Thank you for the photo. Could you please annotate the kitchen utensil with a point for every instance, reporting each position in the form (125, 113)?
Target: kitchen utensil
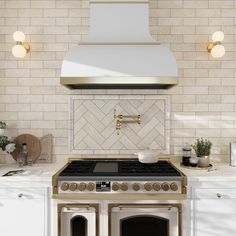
(147, 156)
(33, 146)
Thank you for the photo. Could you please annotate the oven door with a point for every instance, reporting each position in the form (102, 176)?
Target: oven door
(80, 220)
(145, 220)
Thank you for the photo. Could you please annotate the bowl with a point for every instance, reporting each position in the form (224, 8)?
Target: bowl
(147, 156)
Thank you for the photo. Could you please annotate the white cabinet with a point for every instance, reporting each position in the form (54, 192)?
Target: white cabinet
(214, 212)
(23, 211)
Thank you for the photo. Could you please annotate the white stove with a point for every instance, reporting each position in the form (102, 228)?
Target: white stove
(115, 177)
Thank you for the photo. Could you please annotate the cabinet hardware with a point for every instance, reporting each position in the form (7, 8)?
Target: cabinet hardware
(20, 195)
(219, 195)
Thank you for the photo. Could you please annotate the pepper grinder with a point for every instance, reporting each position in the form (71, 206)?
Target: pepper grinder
(186, 155)
(24, 154)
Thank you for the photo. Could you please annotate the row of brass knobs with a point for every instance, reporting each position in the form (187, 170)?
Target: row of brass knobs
(80, 187)
(123, 186)
(147, 186)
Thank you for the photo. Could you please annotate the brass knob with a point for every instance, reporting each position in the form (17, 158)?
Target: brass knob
(165, 186)
(156, 186)
(148, 187)
(82, 186)
(115, 186)
(124, 187)
(174, 186)
(90, 186)
(73, 186)
(219, 195)
(136, 187)
(64, 186)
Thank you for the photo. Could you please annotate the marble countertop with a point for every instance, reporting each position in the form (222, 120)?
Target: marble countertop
(43, 173)
(218, 172)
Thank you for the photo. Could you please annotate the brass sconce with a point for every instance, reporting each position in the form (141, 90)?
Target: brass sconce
(121, 119)
(21, 47)
(216, 48)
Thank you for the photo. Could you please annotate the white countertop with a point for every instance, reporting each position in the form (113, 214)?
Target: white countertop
(219, 172)
(41, 173)
(44, 172)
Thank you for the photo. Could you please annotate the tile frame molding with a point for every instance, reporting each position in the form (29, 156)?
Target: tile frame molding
(103, 152)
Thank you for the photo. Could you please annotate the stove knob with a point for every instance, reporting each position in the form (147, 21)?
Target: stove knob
(174, 186)
(73, 186)
(124, 187)
(90, 186)
(82, 186)
(148, 187)
(156, 186)
(165, 186)
(64, 186)
(136, 187)
(115, 186)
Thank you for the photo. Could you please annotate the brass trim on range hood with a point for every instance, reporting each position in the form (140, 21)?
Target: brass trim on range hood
(118, 82)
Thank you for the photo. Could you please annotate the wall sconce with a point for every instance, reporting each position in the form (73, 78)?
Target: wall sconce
(216, 48)
(21, 47)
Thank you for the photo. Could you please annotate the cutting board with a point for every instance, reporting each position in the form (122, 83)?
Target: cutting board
(33, 146)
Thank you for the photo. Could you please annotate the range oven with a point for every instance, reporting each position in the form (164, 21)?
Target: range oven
(119, 198)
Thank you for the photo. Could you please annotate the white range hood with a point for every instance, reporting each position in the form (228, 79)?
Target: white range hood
(119, 51)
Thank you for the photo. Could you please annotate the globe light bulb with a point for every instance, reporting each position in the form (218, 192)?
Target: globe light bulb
(218, 36)
(18, 51)
(218, 51)
(19, 36)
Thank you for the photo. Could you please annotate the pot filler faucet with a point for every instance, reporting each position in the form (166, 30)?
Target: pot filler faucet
(121, 119)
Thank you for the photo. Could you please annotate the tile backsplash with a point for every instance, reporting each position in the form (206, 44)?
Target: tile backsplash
(93, 127)
(202, 105)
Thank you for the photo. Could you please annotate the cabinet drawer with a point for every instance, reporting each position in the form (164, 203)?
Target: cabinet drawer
(24, 193)
(215, 193)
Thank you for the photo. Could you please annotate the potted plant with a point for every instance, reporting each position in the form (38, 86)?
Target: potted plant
(202, 148)
(2, 128)
(7, 144)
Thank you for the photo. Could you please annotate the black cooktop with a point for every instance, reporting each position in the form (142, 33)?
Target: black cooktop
(118, 168)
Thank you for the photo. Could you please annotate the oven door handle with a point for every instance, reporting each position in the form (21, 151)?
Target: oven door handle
(168, 206)
(78, 206)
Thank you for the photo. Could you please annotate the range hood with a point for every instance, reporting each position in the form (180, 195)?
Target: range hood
(119, 51)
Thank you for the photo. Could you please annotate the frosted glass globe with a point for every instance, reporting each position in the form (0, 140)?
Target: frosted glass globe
(218, 51)
(18, 51)
(218, 36)
(19, 36)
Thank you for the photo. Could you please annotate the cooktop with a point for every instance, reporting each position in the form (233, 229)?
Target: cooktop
(118, 168)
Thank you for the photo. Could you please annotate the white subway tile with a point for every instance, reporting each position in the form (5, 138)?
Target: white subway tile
(43, 4)
(203, 104)
(43, 124)
(30, 115)
(18, 107)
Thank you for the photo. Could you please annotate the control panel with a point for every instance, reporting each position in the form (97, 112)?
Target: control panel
(121, 187)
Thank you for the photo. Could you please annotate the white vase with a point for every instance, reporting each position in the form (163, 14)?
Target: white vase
(204, 161)
(2, 131)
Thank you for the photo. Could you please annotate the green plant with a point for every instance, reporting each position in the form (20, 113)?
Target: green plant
(202, 147)
(3, 125)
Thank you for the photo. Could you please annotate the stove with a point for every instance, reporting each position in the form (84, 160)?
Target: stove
(111, 178)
